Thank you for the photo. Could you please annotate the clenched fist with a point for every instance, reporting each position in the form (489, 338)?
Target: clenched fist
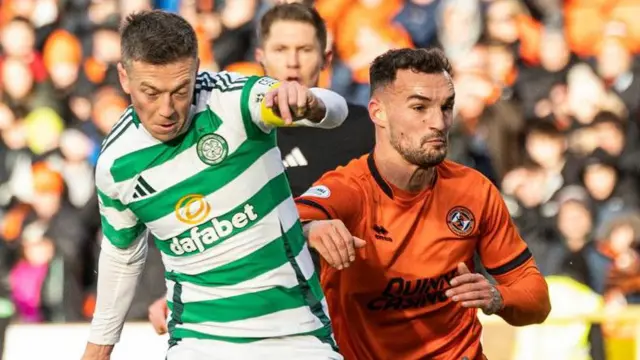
(291, 101)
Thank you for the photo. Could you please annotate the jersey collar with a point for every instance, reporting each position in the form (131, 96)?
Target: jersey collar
(388, 188)
(384, 186)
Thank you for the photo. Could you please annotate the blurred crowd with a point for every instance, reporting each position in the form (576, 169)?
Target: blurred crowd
(547, 107)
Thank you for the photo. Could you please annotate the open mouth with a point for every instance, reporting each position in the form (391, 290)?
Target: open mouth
(293, 78)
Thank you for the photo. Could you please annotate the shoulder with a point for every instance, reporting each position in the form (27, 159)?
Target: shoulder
(225, 81)
(353, 174)
(345, 184)
(125, 138)
(222, 83)
(462, 186)
(457, 174)
(226, 88)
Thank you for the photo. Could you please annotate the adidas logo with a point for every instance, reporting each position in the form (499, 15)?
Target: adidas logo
(295, 159)
(381, 233)
(142, 188)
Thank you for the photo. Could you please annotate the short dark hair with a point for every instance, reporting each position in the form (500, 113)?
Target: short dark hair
(293, 12)
(608, 117)
(544, 128)
(385, 67)
(157, 37)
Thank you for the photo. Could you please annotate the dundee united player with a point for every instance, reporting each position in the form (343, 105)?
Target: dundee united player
(194, 161)
(409, 292)
(292, 39)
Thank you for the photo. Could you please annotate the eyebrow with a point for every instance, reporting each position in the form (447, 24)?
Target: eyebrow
(181, 85)
(449, 100)
(419, 97)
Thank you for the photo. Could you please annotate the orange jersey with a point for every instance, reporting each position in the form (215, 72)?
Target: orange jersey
(390, 303)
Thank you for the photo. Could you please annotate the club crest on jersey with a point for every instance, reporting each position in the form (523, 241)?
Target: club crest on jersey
(461, 221)
(212, 149)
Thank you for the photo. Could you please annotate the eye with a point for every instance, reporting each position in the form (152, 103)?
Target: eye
(448, 107)
(418, 108)
(182, 93)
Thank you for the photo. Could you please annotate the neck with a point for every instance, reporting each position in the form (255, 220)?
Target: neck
(402, 174)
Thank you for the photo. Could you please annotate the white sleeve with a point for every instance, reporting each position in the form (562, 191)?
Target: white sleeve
(119, 271)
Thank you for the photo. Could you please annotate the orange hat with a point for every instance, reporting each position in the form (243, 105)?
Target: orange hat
(62, 47)
(46, 180)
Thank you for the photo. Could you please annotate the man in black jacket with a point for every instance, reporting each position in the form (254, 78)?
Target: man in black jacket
(293, 43)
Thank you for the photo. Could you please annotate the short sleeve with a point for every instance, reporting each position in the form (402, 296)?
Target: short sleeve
(500, 247)
(334, 196)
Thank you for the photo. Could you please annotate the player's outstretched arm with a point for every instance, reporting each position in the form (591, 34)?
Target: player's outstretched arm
(522, 288)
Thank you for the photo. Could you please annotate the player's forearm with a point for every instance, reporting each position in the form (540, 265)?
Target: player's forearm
(97, 352)
(329, 111)
(118, 274)
(525, 296)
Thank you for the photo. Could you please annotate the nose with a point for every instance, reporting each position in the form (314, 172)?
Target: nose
(438, 120)
(166, 106)
(293, 60)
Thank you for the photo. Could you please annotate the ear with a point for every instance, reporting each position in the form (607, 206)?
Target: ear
(328, 59)
(124, 78)
(259, 54)
(377, 112)
(197, 65)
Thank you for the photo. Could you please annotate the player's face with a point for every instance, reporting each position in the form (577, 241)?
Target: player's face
(417, 113)
(292, 52)
(161, 94)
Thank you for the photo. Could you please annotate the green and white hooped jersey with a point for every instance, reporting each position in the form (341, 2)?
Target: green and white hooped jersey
(218, 203)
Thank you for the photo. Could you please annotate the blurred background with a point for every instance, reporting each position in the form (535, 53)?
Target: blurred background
(548, 108)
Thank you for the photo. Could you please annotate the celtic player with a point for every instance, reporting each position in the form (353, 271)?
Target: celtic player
(194, 161)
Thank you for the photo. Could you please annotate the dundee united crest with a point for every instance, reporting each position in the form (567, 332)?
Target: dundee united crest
(212, 149)
(460, 221)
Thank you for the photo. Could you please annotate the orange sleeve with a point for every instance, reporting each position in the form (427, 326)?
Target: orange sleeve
(508, 259)
(334, 196)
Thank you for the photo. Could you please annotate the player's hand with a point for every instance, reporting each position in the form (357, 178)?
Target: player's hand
(291, 101)
(158, 315)
(474, 291)
(333, 241)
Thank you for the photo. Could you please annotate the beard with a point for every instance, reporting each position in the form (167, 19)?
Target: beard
(425, 155)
